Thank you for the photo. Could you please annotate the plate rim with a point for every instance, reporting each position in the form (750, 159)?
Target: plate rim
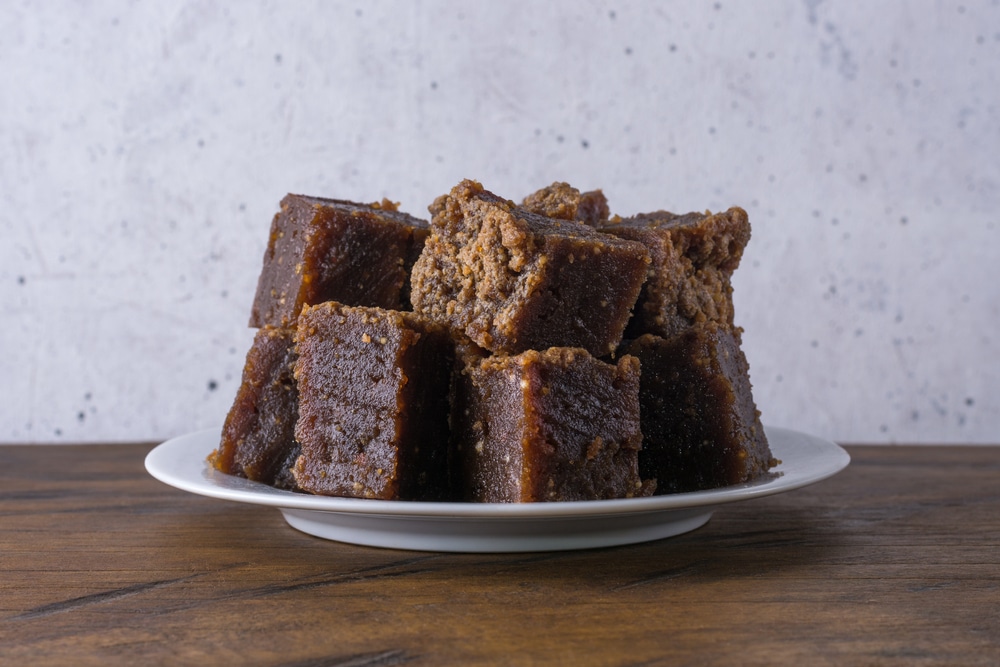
(194, 475)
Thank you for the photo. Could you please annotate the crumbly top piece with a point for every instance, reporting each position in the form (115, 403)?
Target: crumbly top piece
(716, 239)
(564, 202)
(471, 197)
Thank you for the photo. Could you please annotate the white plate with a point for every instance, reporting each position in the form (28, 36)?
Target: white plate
(493, 527)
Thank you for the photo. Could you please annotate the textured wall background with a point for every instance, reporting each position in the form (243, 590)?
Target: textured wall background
(144, 149)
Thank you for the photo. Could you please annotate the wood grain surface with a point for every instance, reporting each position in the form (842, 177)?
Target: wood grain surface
(895, 561)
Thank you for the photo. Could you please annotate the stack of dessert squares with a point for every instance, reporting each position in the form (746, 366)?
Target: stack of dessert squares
(502, 352)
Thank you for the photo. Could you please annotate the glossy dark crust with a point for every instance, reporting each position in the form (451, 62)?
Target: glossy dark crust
(258, 439)
(332, 250)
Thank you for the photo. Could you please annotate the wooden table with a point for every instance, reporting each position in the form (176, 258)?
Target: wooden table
(895, 561)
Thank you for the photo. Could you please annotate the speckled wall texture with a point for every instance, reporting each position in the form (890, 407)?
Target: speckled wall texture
(144, 149)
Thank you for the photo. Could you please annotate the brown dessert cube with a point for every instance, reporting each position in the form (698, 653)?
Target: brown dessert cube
(258, 437)
(693, 258)
(700, 426)
(512, 280)
(331, 250)
(547, 426)
(564, 202)
(373, 403)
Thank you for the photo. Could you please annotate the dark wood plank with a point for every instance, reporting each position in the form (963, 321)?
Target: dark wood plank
(895, 561)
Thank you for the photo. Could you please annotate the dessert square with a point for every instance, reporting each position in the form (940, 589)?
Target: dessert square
(373, 403)
(258, 437)
(700, 426)
(547, 426)
(332, 250)
(693, 259)
(513, 280)
(564, 202)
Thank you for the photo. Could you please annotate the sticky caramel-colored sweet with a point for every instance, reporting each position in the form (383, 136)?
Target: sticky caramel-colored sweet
(547, 426)
(701, 428)
(258, 437)
(332, 250)
(693, 258)
(564, 202)
(373, 403)
(513, 280)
